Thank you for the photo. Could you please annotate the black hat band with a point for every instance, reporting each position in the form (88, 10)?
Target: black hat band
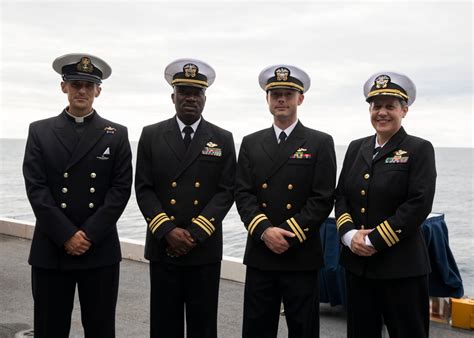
(183, 78)
(392, 90)
(291, 82)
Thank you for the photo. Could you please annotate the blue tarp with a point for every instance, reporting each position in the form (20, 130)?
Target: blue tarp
(444, 280)
(332, 277)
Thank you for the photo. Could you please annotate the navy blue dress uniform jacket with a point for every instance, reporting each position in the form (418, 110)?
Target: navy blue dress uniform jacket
(76, 185)
(392, 194)
(190, 189)
(289, 186)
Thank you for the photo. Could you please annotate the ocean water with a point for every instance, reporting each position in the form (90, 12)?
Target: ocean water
(454, 198)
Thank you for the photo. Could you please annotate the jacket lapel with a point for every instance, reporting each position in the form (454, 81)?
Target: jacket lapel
(391, 145)
(367, 150)
(201, 137)
(174, 139)
(270, 144)
(296, 139)
(65, 132)
(90, 137)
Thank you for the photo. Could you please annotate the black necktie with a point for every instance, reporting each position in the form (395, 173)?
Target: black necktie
(282, 138)
(187, 136)
(376, 151)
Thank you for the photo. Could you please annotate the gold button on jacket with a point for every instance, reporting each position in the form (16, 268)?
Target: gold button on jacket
(102, 159)
(194, 183)
(296, 181)
(401, 180)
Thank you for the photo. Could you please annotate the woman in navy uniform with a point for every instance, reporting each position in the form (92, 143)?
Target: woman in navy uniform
(385, 191)
(284, 191)
(78, 176)
(184, 185)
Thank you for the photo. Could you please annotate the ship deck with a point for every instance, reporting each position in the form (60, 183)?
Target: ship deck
(132, 319)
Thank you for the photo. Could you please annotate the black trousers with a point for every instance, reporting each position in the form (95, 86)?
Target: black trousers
(401, 304)
(176, 290)
(264, 292)
(53, 295)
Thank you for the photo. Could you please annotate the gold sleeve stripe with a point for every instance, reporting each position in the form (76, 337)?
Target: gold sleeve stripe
(205, 220)
(157, 221)
(297, 226)
(202, 226)
(389, 228)
(157, 217)
(384, 237)
(344, 214)
(294, 230)
(253, 224)
(158, 224)
(382, 226)
(255, 221)
(160, 220)
(343, 219)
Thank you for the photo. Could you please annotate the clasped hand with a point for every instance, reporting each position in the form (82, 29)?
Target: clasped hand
(275, 239)
(180, 242)
(358, 245)
(78, 244)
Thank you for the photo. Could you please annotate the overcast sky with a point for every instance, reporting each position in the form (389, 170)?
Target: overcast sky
(340, 44)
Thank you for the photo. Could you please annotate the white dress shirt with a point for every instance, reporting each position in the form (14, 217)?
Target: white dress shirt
(181, 126)
(287, 130)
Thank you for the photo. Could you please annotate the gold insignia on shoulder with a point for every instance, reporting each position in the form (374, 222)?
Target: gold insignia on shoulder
(382, 81)
(282, 74)
(190, 70)
(85, 65)
(211, 145)
(110, 130)
(400, 152)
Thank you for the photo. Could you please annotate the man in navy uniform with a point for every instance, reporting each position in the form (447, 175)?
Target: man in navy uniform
(284, 191)
(184, 185)
(384, 194)
(78, 177)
